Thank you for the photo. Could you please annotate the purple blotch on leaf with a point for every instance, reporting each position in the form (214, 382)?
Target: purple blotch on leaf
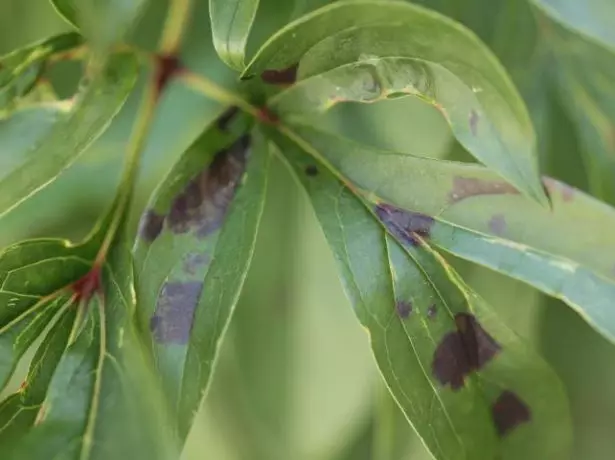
(404, 309)
(194, 262)
(150, 225)
(286, 76)
(508, 412)
(463, 351)
(497, 224)
(553, 186)
(202, 205)
(223, 120)
(466, 187)
(172, 320)
(408, 226)
(432, 311)
(311, 170)
(474, 117)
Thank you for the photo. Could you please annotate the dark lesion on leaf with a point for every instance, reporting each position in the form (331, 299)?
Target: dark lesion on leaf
(173, 317)
(286, 76)
(463, 351)
(554, 187)
(150, 225)
(497, 224)
(432, 311)
(466, 187)
(474, 117)
(508, 412)
(403, 308)
(225, 119)
(202, 204)
(311, 170)
(408, 226)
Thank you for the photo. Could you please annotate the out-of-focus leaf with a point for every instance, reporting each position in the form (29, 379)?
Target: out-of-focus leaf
(470, 387)
(581, 36)
(470, 212)
(103, 23)
(231, 21)
(347, 38)
(20, 69)
(73, 132)
(195, 244)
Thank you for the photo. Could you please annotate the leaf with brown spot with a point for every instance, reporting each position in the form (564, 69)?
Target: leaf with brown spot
(442, 369)
(190, 276)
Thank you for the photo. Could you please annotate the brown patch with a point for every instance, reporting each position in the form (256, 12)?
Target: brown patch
(405, 225)
(497, 224)
(311, 170)
(462, 352)
(509, 412)
(286, 76)
(172, 320)
(266, 116)
(403, 309)
(465, 187)
(223, 120)
(167, 66)
(555, 187)
(432, 311)
(88, 285)
(150, 225)
(474, 117)
(202, 205)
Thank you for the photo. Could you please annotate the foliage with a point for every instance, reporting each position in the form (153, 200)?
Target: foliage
(127, 325)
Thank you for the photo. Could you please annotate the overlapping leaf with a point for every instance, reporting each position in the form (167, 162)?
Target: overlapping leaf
(471, 212)
(341, 47)
(468, 385)
(193, 251)
(20, 69)
(231, 21)
(96, 105)
(583, 42)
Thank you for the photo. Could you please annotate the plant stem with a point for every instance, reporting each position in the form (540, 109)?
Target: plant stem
(174, 27)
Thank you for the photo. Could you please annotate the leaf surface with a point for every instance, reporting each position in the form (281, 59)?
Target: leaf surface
(195, 244)
(231, 21)
(73, 132)
(470, 212)
(345, 42)
(468, 385)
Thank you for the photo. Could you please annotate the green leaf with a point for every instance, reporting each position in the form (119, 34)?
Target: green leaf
(473, 214)
(103, 23)
(20, 69)
(231, 21)
(468, 385)
(582, 40)
(193, 251)
(341, 47)
(48, 156)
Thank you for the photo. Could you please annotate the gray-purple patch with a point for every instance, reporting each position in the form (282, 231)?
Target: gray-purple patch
(172, 320)
(509, 412)
(150, 225)
(406, 225)
(474, 117)
(497, 224)
(403, 309)
(432, 311)
(194, 262)
(202, 205)
(463, 351)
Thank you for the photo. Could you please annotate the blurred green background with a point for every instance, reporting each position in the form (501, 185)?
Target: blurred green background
(296, 379)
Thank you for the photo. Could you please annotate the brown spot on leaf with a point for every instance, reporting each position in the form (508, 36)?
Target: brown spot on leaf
(167, 66)
(463, 351)
(555, 187)
(432, 311)
(474, 117)
(202, 205)
(466, 187)
(280, 77)
(497, 224)
(172, 320)
(224, 119)
(508, 412)
(311, 170)
(151, 225)
(408, 226)
(404, 309)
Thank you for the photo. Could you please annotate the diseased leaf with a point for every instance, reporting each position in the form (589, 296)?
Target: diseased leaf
(470, 212)
(582, 39)
(468, 385)
(20, 69)
(341, 45)
(73, 132)
(195, 244)
(231, 21)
